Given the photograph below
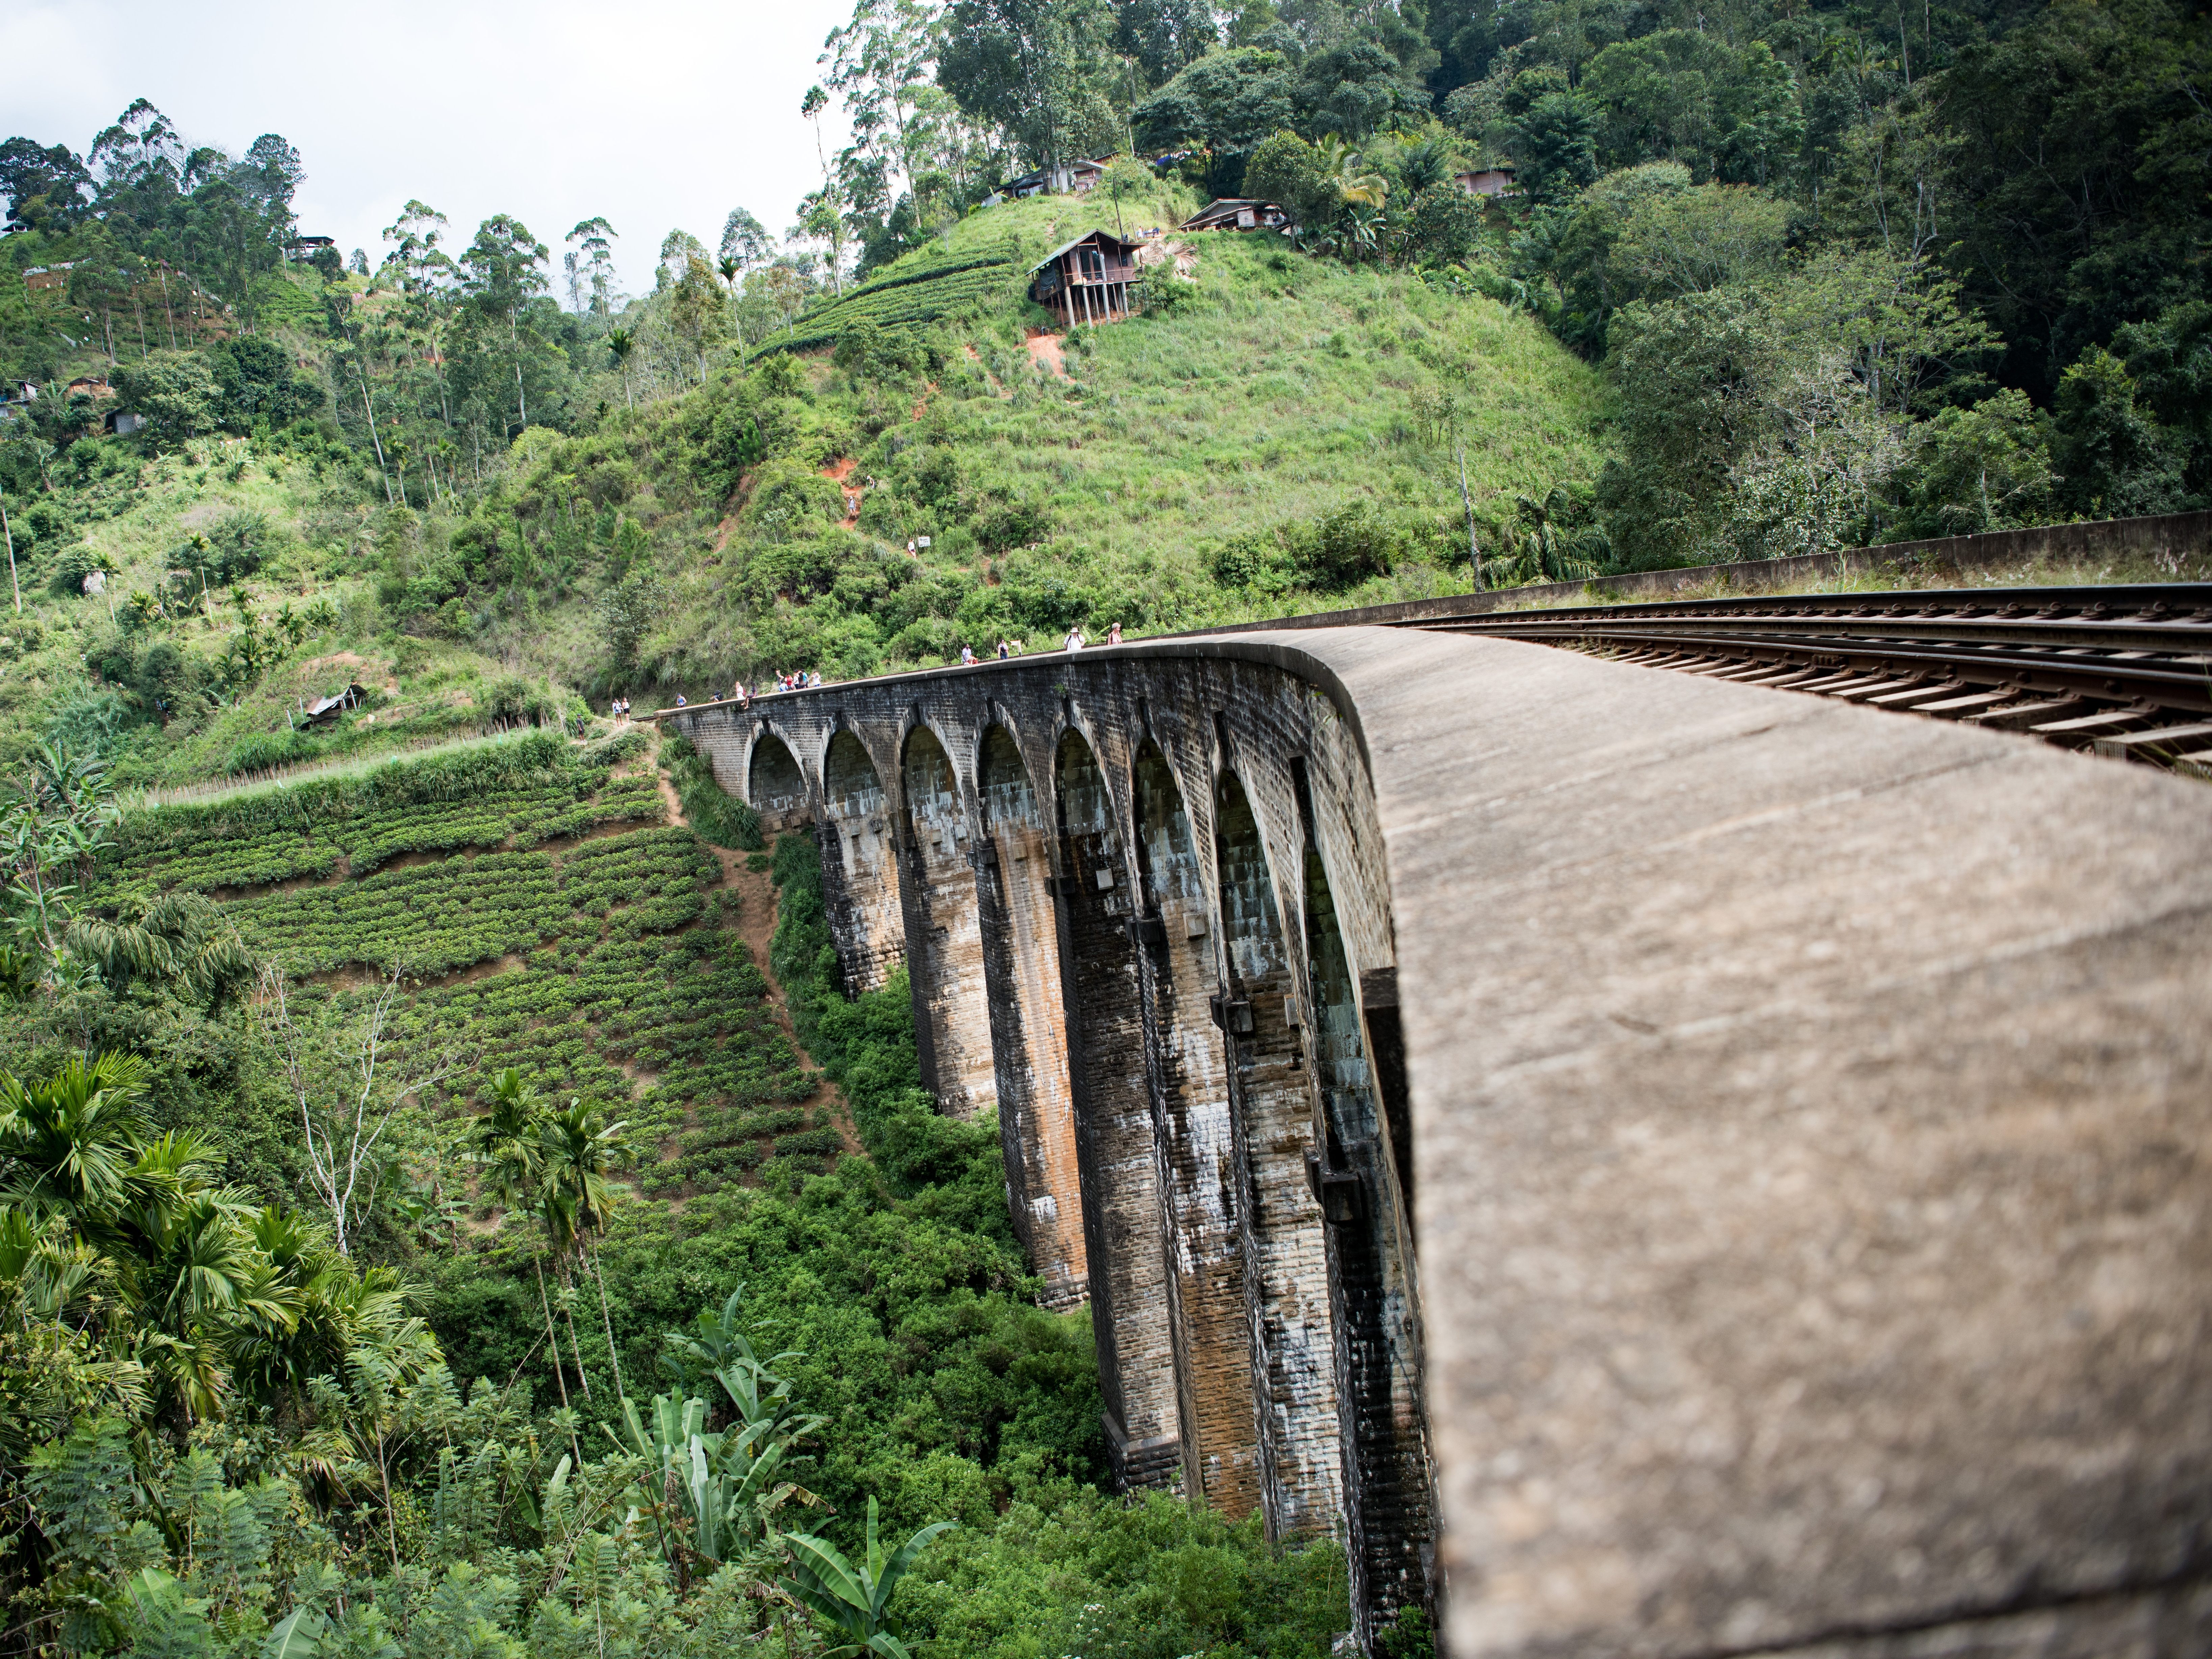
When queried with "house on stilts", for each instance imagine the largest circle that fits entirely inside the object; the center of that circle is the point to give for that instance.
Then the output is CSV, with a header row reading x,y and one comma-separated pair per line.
x,y
1087,280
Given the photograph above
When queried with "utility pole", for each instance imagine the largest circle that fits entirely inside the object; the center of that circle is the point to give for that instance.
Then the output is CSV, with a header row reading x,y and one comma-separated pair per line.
x,y
13,581
1473,552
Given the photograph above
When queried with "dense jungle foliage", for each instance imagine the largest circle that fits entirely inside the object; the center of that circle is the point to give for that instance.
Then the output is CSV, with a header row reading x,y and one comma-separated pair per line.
x,y
356,1300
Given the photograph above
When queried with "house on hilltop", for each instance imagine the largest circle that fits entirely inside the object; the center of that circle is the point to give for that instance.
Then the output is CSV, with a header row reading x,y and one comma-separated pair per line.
x,y
1238,213
1062,179
1087,280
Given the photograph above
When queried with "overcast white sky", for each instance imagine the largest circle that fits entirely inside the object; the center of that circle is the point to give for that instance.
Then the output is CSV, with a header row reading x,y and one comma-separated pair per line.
x,y
656,113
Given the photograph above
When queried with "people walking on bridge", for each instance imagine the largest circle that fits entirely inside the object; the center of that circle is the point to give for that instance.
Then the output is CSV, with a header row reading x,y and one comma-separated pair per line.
x,y
1003,650
1075,638
967,656
1113,633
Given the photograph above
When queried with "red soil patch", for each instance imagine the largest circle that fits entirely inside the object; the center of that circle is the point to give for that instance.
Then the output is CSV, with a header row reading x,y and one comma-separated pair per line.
x,y
1044,352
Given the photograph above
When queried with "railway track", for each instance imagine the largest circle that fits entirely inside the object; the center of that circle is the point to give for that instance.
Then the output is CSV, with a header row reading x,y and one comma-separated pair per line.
x,y
2124,672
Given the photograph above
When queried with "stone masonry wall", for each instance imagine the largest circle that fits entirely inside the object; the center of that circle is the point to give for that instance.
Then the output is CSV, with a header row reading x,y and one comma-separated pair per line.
x,y
1149,1059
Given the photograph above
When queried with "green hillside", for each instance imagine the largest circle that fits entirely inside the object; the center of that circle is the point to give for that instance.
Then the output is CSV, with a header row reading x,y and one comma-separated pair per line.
x,y
1274,433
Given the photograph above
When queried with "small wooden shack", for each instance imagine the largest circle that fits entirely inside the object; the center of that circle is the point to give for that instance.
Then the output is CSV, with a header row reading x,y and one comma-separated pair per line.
x,y
1485,181
1238,213
1087,280
326,710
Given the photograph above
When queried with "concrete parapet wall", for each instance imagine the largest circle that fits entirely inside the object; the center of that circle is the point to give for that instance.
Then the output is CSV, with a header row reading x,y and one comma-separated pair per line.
x,y
2172,535
1730,1158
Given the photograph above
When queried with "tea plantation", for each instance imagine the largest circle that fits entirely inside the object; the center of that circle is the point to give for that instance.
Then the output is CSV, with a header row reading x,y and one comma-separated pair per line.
x,y
608,969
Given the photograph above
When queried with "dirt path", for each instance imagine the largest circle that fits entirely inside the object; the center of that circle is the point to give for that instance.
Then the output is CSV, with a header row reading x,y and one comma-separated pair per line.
x,y
838,472
757,927
1045,352
989,379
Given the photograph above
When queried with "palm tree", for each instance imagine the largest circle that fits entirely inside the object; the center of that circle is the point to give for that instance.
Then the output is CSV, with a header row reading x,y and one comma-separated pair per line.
x,y
507,1138
1424,165
728,266
580,1152
620,343
1356,182
68,1146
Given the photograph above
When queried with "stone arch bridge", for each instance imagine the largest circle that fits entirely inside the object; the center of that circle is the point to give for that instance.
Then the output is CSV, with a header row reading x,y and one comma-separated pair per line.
x,y
1657,1166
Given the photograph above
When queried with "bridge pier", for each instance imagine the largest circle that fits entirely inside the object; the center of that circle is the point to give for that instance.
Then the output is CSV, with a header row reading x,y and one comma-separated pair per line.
x,y
861,884
1029,1020
943,924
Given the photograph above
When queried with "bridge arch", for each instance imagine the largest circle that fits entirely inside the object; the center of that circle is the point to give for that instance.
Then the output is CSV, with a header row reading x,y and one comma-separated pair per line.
x,y
775,785
1645,999
944,925
859,864
1103,991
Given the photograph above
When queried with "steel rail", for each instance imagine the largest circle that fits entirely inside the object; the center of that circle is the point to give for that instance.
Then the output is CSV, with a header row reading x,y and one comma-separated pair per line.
x,y
2126,670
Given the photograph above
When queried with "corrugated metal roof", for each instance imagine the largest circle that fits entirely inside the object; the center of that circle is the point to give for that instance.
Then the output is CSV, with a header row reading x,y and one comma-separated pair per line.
x,y
1103,235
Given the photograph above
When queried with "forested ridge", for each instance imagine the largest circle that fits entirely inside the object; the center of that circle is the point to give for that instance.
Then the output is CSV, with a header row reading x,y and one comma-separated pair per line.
x,y
423,1225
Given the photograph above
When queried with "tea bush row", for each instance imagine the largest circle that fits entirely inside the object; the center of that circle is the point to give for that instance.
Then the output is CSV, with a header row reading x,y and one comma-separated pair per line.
x,y
201,855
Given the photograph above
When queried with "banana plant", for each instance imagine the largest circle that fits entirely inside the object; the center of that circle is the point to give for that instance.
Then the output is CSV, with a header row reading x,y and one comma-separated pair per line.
x,y
855,1599
723,1486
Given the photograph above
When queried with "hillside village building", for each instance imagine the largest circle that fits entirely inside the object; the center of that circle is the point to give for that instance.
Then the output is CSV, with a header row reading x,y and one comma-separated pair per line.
x,y
1087,280
1238,213
1485,181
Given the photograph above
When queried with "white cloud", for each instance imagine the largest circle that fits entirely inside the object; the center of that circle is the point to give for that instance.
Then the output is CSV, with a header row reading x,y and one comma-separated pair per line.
x,y
657,115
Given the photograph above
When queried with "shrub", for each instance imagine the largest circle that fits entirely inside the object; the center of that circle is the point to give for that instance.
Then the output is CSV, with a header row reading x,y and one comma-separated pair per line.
x,y
719,818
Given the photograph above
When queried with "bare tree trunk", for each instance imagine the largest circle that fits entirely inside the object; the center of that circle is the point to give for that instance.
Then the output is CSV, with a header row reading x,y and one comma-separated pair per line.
x,y
551,1341
614,1359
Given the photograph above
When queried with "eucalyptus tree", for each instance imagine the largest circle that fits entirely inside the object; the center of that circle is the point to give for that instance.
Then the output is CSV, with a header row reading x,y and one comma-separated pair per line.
x,y
746,241
591,245
501,270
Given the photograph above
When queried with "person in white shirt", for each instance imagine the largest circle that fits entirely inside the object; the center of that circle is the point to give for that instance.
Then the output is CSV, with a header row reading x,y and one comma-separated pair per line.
x,y
1075,639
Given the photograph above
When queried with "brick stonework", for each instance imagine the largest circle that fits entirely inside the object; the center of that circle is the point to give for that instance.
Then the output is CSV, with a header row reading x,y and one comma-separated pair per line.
x,y
944,934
